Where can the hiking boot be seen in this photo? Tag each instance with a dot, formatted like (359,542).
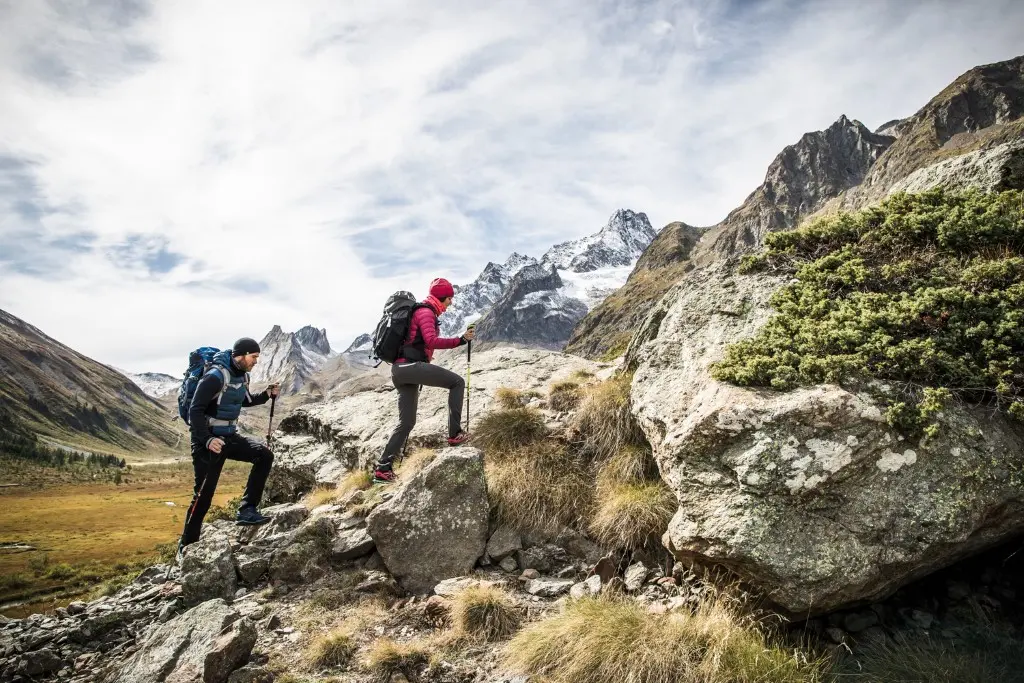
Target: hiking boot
(180,554)
(383,477)
(460,438)
(250,516)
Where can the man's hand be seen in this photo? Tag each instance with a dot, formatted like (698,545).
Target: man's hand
(273,390)
(469,334)
(215,445)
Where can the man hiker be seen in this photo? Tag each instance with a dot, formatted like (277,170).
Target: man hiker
(213,415)
(412,369)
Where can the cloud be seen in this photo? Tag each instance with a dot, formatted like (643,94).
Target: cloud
(190,172)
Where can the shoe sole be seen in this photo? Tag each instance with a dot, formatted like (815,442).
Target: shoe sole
(241,523)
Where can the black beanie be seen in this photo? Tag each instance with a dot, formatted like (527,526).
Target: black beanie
(245,345)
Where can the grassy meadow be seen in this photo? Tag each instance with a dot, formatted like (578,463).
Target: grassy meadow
(89,531)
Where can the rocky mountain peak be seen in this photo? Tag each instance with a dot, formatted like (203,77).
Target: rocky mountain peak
(312,338)
(620,242)
(360,344)
(291,358)
(802,178)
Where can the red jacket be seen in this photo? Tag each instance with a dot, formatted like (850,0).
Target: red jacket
(424,321)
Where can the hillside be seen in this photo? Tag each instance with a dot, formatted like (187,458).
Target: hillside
(69,398)
(845,167)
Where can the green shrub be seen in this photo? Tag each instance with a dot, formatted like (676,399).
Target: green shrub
(925,293)
(61,572)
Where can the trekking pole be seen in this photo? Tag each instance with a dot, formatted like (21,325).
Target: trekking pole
(469,376)
(270,427)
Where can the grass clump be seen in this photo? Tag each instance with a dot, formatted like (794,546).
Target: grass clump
(608,641)
(356,480)
(334,649)
(630,464)
(506,430)
(604,421)
(508,399)
(540,488)
(630,516)
(924,292)
(321,495)
(416,461)
(982,655)
(564,396)
(485,613)
(387,657)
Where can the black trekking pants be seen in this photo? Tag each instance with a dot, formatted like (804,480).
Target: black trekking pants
(407,378)
(207,466)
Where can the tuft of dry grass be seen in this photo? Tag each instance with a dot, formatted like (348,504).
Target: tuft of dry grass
(582,375)
(630,464)
(356,480)
(564,396)
(604,421)
(605,640)
(334,649)
(629,516)
(982,654)
(485,613)
(540,488)
(501,431)
(387,657)
(508,398)
(416,461)
(321,495)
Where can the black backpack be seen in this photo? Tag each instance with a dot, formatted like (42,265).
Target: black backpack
(389,337)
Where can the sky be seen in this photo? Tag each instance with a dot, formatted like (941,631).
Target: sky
(178,174)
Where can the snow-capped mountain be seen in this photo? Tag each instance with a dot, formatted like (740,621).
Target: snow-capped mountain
(537,302)
(155,384)
(473,300)
(291,358)
(544,300)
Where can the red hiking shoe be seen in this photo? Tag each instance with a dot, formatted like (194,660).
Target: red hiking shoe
(383,477)
(460,438)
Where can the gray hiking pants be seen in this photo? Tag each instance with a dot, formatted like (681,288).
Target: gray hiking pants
(408,378)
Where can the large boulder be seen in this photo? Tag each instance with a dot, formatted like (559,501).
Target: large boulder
(808,495)
(208,569)
(203,645)
(435,526)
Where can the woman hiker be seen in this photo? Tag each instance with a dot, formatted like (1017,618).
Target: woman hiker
(412,369)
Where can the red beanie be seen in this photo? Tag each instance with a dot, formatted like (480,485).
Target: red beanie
(441,288)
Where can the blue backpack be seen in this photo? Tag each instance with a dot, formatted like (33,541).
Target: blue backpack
(199,361)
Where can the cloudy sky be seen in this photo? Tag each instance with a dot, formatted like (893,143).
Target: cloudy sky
(185,172)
